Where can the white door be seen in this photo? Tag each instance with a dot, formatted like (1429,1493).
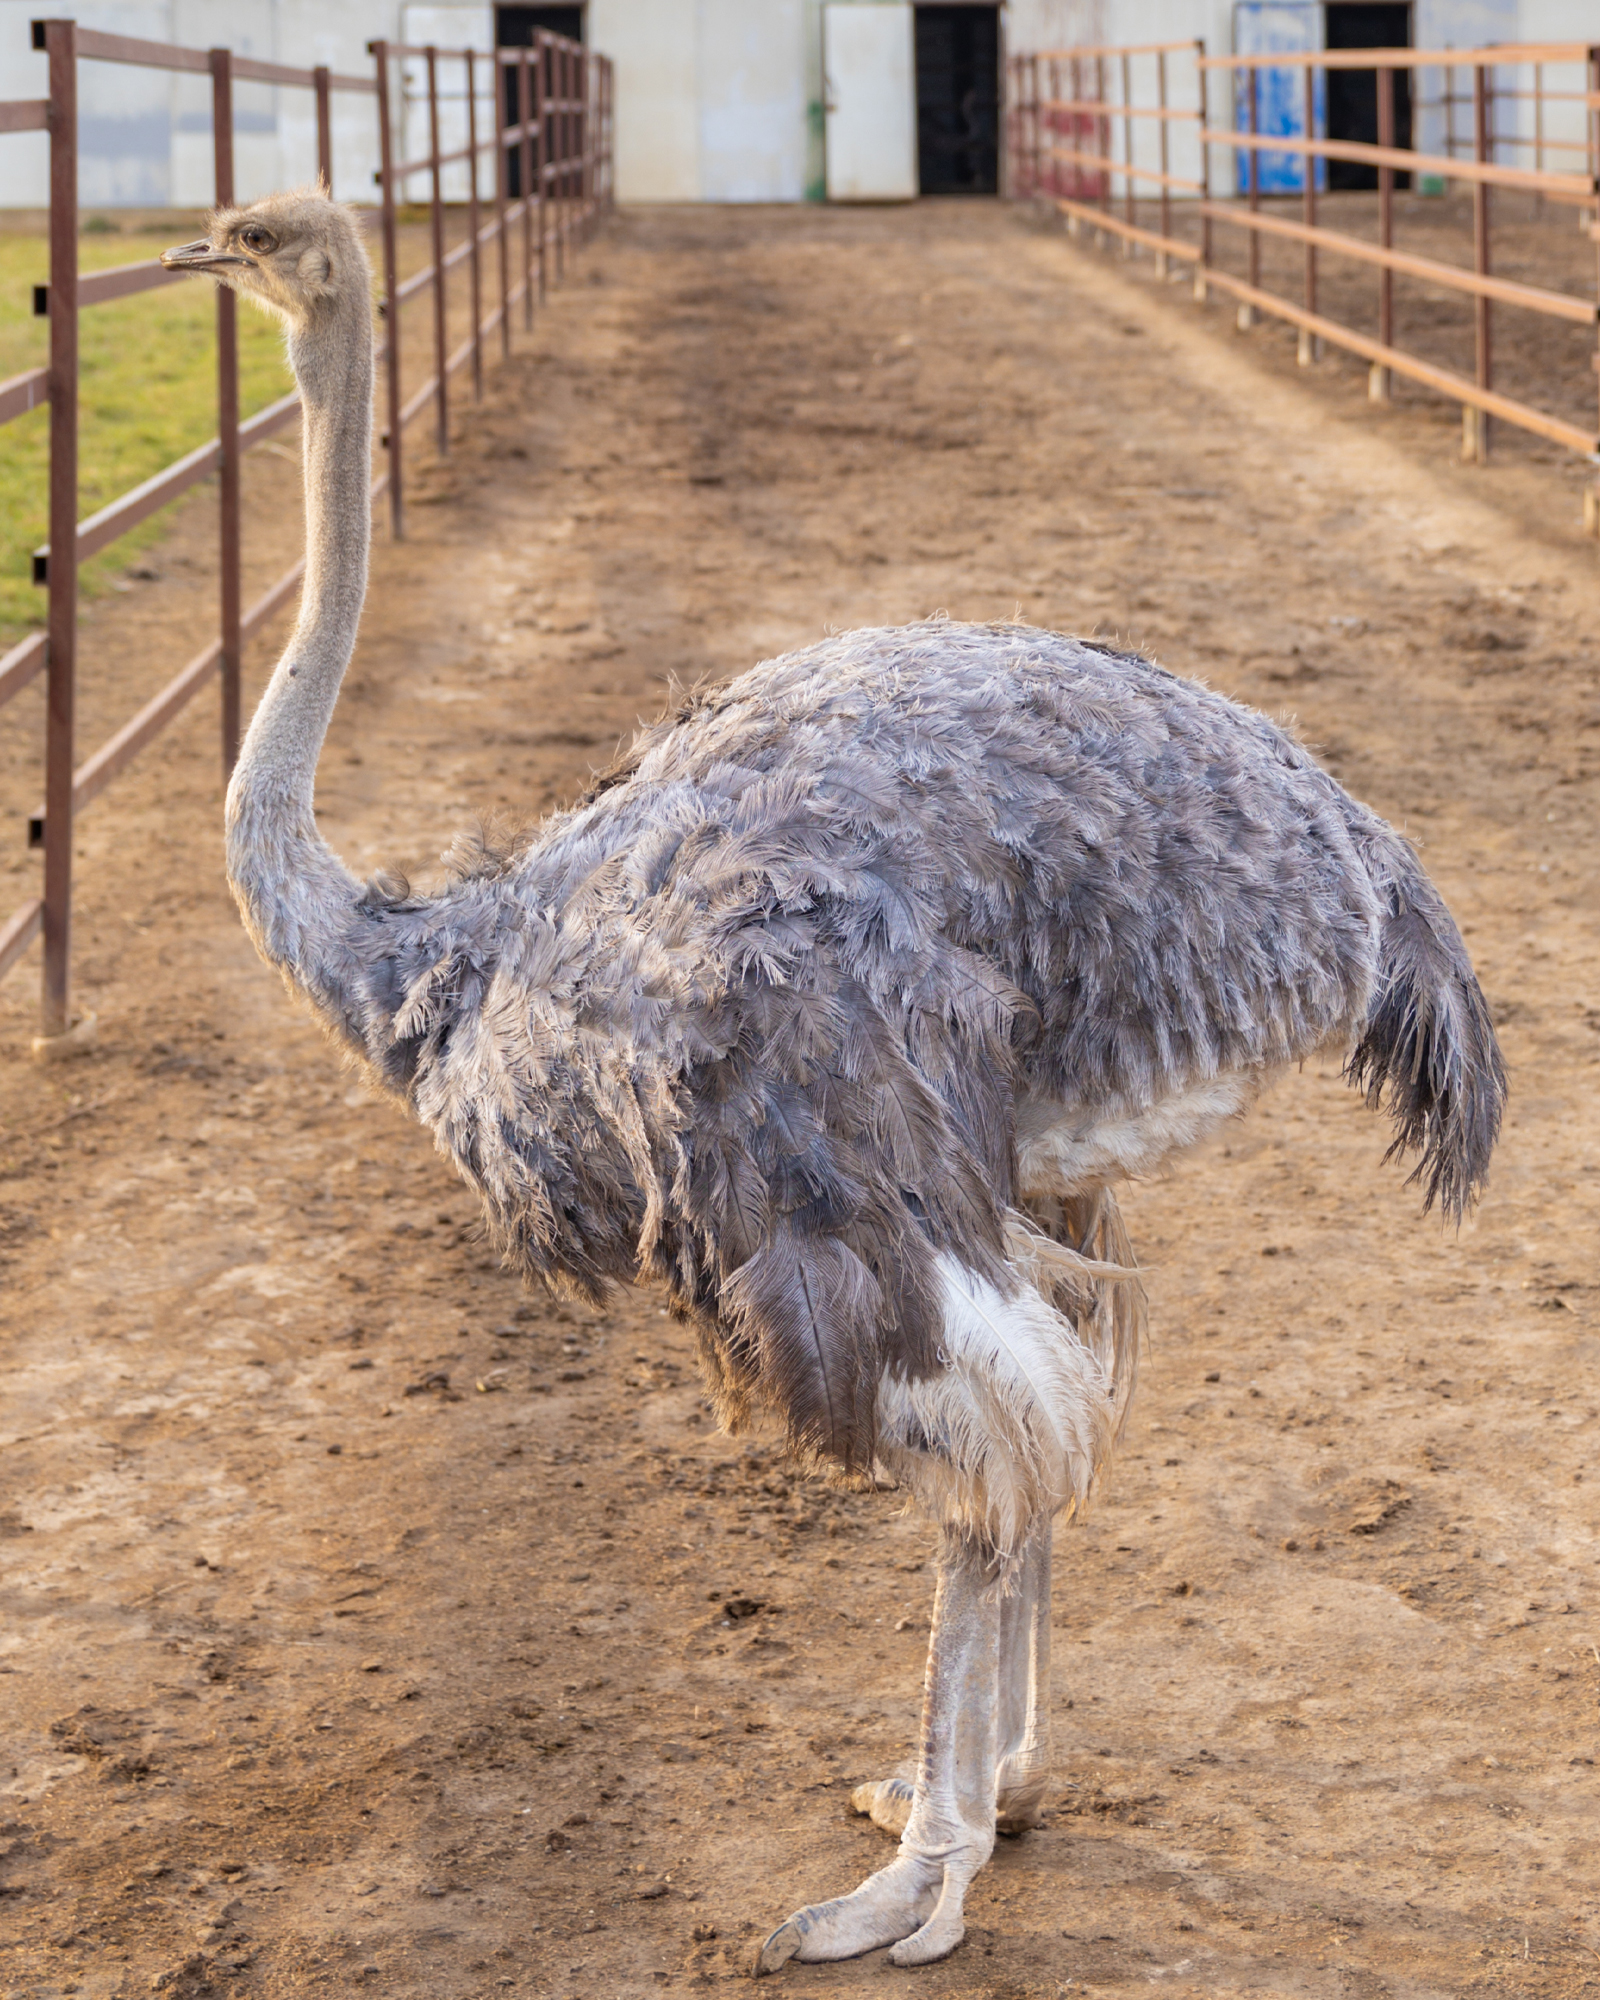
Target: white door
(869,96)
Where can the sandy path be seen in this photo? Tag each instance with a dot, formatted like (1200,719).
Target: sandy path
(363,1624)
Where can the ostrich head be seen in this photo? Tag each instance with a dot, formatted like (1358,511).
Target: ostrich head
(298,255)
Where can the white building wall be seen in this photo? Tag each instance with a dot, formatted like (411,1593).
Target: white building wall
(716,100)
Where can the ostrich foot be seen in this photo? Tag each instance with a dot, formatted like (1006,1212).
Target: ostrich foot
(916,1906)
(886,1802)
(1018,1797)
(895,1903)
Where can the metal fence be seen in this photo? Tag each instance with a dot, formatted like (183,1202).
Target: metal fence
(1075,120)
(552,182)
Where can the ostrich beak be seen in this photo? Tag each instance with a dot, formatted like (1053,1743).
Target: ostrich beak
(199,257)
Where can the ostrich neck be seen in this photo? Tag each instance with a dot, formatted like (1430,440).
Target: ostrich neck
(297,897)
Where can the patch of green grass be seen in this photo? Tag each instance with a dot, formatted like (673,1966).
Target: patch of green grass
(147,394)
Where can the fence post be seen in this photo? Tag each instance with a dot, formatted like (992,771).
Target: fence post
(502,176)
(525,163)
(1591,498)
(61,46)
(1047,125)
(1475,423)
(1130,213)
(1203,261)
(1379,383)
(1246,315)
(605,97)
(227,416)
(1166,161)
(324,90)
(472,224)
(562,63)
(587,116)
(391,290)
(544,151)
(1307,346)
(441,329)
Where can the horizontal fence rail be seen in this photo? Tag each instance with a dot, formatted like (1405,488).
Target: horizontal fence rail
(1077,124)
(551,168)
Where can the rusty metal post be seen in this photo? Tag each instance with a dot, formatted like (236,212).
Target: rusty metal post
(1591,497)
(1166,160)
(1246,315)
(563,182)
(1379,381)
(61,47)
(502,176)
(529,144)
(1046,128)
(441,325)
(1308,344)
(1102,127)
(227,418)
(475,261)
(586,121)
(1538,132)
(324,91)
(544,152)
(391,290)
(1475,423)
(1449,111)
(1203,262)
(1594,169)
(611,158)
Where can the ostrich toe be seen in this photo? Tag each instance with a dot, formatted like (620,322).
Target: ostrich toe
(886,1802)
(898,1902)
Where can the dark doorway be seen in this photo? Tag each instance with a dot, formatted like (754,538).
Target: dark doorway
(958,99)
(1353,93)
(514,28)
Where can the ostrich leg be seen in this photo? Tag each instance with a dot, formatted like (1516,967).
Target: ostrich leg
(1024,1732)
(915,1904)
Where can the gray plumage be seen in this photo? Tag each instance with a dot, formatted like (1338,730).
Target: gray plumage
(757,1015)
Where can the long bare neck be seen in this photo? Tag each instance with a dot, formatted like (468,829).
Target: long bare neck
(297,897)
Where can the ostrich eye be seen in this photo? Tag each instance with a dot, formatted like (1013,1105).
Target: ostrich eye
(262,241)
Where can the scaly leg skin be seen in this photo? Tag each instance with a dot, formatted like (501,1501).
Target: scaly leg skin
(1024,1714)
(915,1904)
(1024,1762)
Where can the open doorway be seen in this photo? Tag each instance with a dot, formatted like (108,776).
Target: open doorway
(515,28)
(958,99)
(1353,93)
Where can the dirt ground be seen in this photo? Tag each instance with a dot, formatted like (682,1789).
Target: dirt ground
(366,1625)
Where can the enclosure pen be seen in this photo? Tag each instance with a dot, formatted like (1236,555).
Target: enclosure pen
(1048,162)
(563,122)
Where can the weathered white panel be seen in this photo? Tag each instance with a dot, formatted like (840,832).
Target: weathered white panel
(446,27)
(870,103)
(654,44)
(752,101)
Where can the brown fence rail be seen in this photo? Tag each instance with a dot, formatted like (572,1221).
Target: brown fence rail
(1074,119)
(557,150)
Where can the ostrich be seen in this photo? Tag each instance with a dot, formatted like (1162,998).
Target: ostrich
(840,1004)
